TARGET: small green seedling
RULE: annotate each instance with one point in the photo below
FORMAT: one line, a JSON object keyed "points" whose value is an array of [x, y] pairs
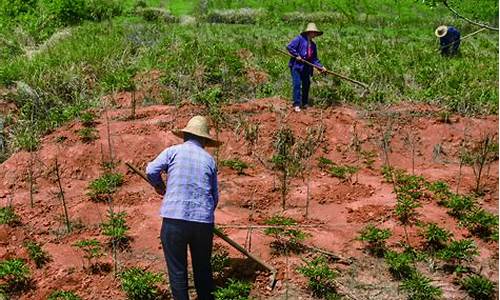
{"points": [[375, 238], [321, 278], [220, 261], [235, 164], [234, 290], [479, 287], [92, 250], [87, 118], [343, 172], [286, 240], [400, 264], [14, 275], [141, 285], [63, 295], [8, 216], [37, 254], [458, 251], [460, 205], [116, 229], [481, 223], [324, 163], [419, 287], [88, 134], [435, 237], [103, 187]]}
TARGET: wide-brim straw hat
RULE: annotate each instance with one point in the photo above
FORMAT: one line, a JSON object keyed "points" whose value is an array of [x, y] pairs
{"points": [[441, 31], [198, 126], [311, 27]]}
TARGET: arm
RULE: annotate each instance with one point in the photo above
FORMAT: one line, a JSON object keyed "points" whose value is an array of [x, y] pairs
{"points": [[215, 188], [292, 47], [154, 169]]}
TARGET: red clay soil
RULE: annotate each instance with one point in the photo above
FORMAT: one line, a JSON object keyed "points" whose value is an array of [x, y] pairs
{"points": [[338, 209]]}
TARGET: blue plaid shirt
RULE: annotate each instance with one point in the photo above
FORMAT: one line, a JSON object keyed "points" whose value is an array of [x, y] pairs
{"points": [[191, 191]]}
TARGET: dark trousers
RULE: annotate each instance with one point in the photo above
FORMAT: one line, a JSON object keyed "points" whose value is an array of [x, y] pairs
{"points": [[301, 82], [176, 236]]}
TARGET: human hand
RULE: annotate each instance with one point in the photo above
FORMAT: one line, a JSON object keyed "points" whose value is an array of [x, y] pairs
{"points": [[298, 58], [322, 70]]}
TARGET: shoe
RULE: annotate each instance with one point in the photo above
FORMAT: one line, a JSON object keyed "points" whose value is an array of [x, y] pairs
{"points": [[305, 106], [296, 108]]}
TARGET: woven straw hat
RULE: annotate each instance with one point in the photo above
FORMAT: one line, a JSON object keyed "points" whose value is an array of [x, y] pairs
{"points": [[311, 27], [198, 125], [441, 31]]}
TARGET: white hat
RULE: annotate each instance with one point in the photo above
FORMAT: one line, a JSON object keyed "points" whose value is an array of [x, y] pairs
{"points": [[198, 125], [441, 31], [311, 27]]}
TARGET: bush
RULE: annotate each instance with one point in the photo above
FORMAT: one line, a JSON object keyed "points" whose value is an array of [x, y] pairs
{"points": [[481, 223], [321, 279], [235, 16], [154, 14], [419, 287], [459, 205], [37, 254], [99, 10], [63, 295], [458, 251], [102, 187], [235, 164], [400, 264], [235, 290], [88, 134], [116, 228], [140, 285], [8, 216], [479, 287], [435, 237], [87, 118], [376, 239], [286, 240], [15, 274], [67, 12]]}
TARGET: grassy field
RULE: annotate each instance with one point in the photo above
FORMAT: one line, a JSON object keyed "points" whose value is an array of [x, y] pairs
{"points": [[387, 44]]}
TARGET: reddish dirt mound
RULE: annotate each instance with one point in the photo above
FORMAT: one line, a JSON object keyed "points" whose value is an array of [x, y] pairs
{"points": [[338, 209]]}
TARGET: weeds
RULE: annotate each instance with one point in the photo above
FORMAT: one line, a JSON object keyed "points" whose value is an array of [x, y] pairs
{"points": [[478, 287], [103, 187], [459, 205], [63, 295], [286, 240], [8, 216], [481, 223], [235, 164], [88, 119], [458, 251], [375, 238], [141, 285], [14, 275], [88, 134], [116, 229], [321, 278], [419, 287], [37, 254], [234, 290]]}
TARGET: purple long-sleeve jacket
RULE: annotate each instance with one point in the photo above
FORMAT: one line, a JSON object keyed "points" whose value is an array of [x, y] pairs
{"points": [[298, 46]]}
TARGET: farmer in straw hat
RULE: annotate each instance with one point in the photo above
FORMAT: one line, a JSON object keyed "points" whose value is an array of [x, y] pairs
{"points": [[303, 48], [189, 201], [449, 39]]}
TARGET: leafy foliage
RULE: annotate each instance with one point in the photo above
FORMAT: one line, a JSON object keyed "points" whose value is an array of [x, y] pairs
{"points": [[400, 264], [435, 237], [37, 254], [343, 172], [235, 290], [479, 287], [92, 250], [235, 164], [286, 239], [88, 134], [15, 274], [376, 238], [321, 279], [102, 187], [8, 216], [481, 223], [419, 287], [459, 205], [63, 295], [116, 228], [458, 251], [87, 118], [219, 261], [140, 285]]}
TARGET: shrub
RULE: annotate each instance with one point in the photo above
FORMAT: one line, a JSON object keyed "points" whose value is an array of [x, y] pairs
{"points": [[66, 12], [419, 287], [343, 172], [235, 290], [319, 17], [15, 274], [155, 14], [435, 237], [88, 134], [102, 187], [400, 264], [37, 254], [479, 287], [376, 239], [321, 279], [286, 240], [63, 295], [99, 10], [235, 16], [87, 118], [140, 285], [116, 228], [8, 216], [410, 184], [235, 164], [481, 223]]}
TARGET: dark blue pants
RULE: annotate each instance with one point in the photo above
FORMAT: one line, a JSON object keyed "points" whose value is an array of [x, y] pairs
{"points": [[176, 236], [301, 82]]}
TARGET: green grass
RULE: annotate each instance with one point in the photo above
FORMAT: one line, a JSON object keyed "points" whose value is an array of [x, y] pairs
{"points": [[182, 7]]}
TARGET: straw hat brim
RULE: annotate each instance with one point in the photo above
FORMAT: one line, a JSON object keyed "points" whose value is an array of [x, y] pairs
{"points": [[210, 142], [441, 31], [316, 31]]}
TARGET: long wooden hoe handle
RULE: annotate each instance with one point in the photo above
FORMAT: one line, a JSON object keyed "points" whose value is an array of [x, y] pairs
{"points": [[223, 236], [362, 84]]}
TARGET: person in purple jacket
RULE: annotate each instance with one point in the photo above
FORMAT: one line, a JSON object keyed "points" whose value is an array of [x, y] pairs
{"points": [[303, 49]]}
